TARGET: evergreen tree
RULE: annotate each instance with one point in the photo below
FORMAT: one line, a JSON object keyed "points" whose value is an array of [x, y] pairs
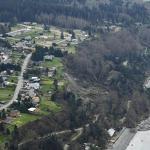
{"points": [[3, 114], [73, 35], [62, 35], [55, 84]]}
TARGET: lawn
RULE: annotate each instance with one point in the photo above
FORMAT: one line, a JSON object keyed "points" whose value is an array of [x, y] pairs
{"points": [[62, 84], [56, 62], [60, 73], [48, 106], [17, 27], [45, 108], [13, 40], [3, 138], [71, 49], [23, 119], [6, 93], [33, 33], [16, 57], [13, 79], [46, 85]]}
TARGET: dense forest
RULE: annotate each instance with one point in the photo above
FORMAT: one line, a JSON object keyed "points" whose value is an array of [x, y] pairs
{"points": [[116, 63], [69, 13], [107, 72]]}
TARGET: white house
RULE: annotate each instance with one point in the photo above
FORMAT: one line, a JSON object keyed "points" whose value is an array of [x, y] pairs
{"points": [[32, 109], [35, 86], [111, 132], [48, 57]]}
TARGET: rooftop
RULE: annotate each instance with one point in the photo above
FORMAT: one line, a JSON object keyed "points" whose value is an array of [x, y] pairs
{"points": [[141, 141], [31, 109], [111, 132]]}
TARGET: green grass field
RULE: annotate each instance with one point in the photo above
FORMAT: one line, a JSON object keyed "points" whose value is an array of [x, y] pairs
{"points": [[16, 57], [23, 119], [33, 33], [13, 79], [56, 62], [16, 27], [47, 106], [71, 49], [12, 40], [46, 85], [3, 138], [6, 93]]}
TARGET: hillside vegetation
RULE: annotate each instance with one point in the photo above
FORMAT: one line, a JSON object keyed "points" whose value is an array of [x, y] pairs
{"points": [[73, 13], [116, 64]]}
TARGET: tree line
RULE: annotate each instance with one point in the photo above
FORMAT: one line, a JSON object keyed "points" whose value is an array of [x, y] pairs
{"points": [[40, 52], [67, 13]]}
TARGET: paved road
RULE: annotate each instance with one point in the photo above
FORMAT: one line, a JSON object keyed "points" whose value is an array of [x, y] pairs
{"points": [[126, 136], [123, 141], [66, 146], [80, 132], [19, 84]]}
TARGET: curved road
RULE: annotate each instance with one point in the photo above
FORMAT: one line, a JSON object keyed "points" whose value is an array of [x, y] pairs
{"points": [[80, 131], [66, 146], [20, 82]]}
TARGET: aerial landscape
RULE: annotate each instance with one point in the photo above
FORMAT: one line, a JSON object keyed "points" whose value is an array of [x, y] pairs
{"points": [[74, 75]]}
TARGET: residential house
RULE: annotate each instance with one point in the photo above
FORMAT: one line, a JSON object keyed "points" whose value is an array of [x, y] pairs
{"points": [[14, 113], [33, 110], [27, 23], [3, 57], [52, 72], [111, 132], [34, 86], [35, 79], [75, 41], [31, 93], [35, 100], [48, 57], [18, 32]]}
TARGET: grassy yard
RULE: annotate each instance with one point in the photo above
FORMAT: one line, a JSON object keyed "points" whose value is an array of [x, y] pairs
{"points": [[13, 79], [16, 57], [71, 49], [17, 27], [62, 84], [56, 62], [60, 73], [23, 119], [6, 93], [3, 138], [13, 40], [33, 33], [47, 106], [46, 85]]}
